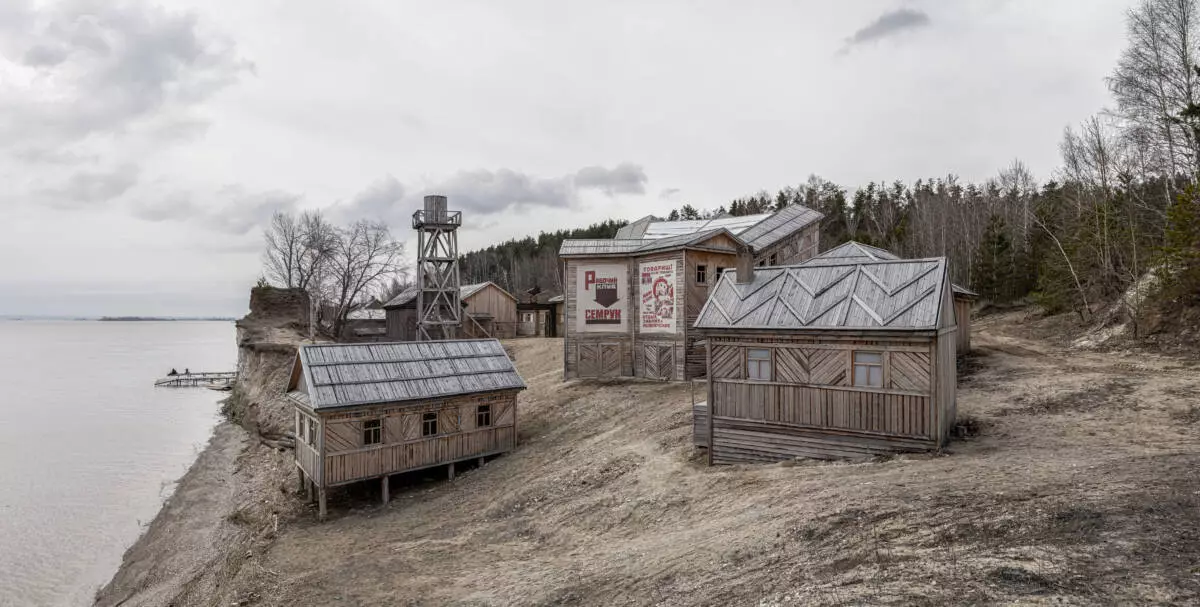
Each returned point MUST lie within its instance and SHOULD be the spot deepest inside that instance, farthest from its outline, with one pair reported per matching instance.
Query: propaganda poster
(657, 296)
(601, 294)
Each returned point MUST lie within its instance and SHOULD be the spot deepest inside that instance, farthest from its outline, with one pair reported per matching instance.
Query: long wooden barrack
(190, 380)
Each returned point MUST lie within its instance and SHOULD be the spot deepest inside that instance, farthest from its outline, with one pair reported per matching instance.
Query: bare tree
(296, 248)
(364, 257)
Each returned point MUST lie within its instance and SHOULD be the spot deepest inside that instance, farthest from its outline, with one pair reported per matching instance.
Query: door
(599, 360)
(658, 362)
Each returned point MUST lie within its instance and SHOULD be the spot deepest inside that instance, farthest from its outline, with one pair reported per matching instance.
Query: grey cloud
(625, 178)
(378, 201)
(85, 188)
(104, 67)
(247, 211)
(888, 24)
(233, 210)
(485, 191)
(668, 193)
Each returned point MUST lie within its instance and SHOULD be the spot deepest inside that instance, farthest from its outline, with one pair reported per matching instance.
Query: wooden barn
(488, 311)
(630, 302)
(367, 411)
(964, 298)
(493, 309)
(830, 360)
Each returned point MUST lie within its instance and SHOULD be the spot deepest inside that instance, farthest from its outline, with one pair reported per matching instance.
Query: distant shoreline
(123, 318)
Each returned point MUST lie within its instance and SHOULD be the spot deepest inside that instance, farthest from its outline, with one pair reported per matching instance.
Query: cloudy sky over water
(144, 143)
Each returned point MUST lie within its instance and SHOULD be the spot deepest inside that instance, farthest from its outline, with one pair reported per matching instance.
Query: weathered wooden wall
(346, 459)
(402, 324)
(664, 356)
(798, 247)
(308, 455)
(502, 308)
(962, 312)
(811, 408)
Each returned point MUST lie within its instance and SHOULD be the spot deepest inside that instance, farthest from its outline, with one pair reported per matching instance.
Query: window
(312, 432)
(429, 424)
(701, 274)
(373, 432)
(483, 416)
(868, 369)
(774, 259)
(758, 364)
(718, 273)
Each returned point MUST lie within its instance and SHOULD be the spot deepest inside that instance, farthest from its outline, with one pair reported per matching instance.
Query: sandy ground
(1077, 486)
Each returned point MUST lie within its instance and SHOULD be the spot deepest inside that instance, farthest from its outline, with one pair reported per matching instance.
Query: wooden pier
(189, 380)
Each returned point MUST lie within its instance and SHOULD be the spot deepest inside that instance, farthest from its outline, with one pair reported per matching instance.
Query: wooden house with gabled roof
(368, 411)
(630, 301)
(847, 358)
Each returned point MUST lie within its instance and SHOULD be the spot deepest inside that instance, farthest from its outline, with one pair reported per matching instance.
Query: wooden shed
(367, 411)
(493, 309)
(630, 302)
(964, 298)
(830, 360)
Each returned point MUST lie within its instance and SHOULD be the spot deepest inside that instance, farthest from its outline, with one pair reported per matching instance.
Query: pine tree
(993, 270)
(1179, 255)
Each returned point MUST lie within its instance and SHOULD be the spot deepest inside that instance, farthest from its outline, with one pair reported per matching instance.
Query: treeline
(521, 264)
(1115, 227)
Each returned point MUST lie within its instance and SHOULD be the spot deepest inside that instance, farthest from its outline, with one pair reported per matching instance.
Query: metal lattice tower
(439, 307)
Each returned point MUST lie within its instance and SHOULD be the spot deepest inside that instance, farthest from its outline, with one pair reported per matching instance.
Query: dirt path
(1080, 488)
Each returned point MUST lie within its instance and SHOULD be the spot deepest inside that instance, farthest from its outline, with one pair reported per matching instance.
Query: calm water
(89, 448)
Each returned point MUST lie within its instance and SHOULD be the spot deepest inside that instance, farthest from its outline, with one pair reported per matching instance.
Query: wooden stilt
(300, 479)
(309, 493)
(481, 462)
(321, 506)
(451, 470)
(384, 483)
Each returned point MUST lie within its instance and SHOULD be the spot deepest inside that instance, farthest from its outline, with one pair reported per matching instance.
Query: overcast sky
(143, 143)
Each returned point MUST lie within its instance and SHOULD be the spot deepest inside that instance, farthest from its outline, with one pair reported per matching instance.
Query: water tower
(439, 307)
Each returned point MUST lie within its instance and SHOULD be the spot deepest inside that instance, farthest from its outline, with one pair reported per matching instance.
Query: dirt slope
(1080, 489)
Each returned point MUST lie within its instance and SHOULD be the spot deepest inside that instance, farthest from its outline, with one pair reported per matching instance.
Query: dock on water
(188, 380)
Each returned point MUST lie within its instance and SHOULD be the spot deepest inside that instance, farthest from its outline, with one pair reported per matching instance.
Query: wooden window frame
(770, 360)
(372, 435)
(701, 274)
(483, 416)
(428, 421)
(312, 431)
(854, 364)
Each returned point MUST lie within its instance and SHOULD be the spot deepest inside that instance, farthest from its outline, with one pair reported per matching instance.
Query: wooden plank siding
(810, 407)
(632, 353)
(502, 307)
(347, 459)
(962, 313)
(798, 247)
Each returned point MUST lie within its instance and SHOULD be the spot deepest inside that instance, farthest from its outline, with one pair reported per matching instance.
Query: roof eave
(404, 401)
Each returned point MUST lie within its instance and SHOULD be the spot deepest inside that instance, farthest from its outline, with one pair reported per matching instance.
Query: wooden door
(599, 360)
(658, 362)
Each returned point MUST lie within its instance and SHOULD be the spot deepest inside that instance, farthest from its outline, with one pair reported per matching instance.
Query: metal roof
(466, 291)
(758, 231)
(617, 247)
(346, 375)
(782, 224)
(898, 294)
(367, 314)
(856, 251)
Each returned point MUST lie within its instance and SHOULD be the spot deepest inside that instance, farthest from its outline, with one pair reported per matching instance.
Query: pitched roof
(856, 251)
(900, 294)
(617, 247)
(345, 375)
(367, 314)
(466, 291)
(759, 231)
(405, 296)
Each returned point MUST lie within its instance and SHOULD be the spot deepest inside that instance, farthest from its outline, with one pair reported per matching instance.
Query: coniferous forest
(1114, 229)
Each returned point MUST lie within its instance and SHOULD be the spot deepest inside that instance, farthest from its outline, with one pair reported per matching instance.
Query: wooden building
(365, 324)
(846, 359)
(964, 298)
(630, 302)
(488, 311)
(493, 309)
(367, 411)
(538, 314)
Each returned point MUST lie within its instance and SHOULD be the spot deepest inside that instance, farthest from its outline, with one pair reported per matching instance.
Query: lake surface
(89, 448)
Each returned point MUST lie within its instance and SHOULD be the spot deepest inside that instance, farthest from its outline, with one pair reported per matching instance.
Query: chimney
(745, 267)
